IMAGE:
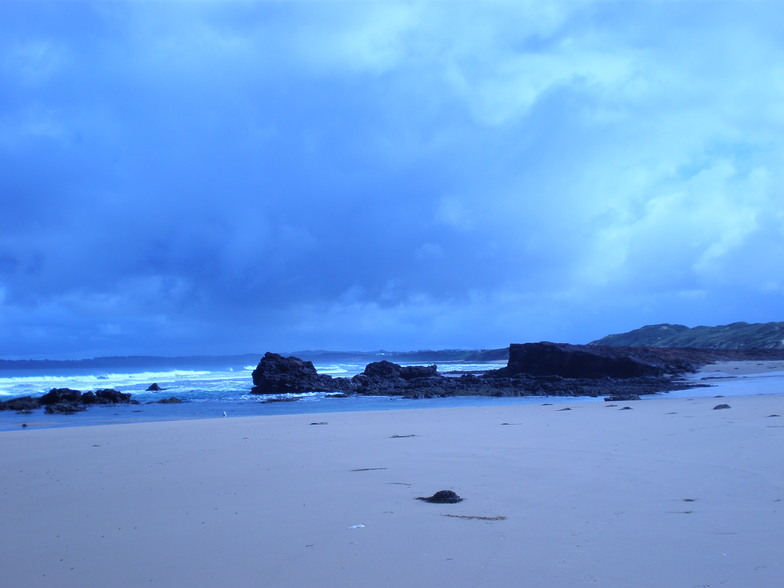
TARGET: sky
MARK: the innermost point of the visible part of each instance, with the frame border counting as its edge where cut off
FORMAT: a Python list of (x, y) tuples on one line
[(222, 177)]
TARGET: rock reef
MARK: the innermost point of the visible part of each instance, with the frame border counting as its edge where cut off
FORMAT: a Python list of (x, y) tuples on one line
[(67, 401), (533, 369)]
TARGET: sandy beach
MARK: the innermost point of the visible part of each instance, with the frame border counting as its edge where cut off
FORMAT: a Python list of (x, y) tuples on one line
[(667, 493)]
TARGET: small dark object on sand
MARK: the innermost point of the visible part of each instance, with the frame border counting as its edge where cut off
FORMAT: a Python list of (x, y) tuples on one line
[(320, 423), (625, 408), (720, 406), (401, 436), (562, 409), (441, 497)]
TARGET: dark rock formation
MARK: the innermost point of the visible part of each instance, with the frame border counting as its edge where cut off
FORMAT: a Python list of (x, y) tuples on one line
[(721, 406), (442, 497), (23, 403), (170, 400), (534, 369), (64, 408), (60, 396), (154, 387), (583, 361), (67, 401), (276, 374), (622, 397), (387, 378)]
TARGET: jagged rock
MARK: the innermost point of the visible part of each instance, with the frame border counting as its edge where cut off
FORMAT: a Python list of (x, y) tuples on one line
[(110, 396), (23, 403), (66, 400), (64, 408), (154, 387), (276, 374), (442, 497), (61, 396)]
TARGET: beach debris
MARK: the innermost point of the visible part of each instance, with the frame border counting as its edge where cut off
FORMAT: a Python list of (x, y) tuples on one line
[(689, 500), (320, 423), (401, 436), (154, 387), (609, 405), (366, 469), (721, 406), (510, 423), (625, 408), (442, 497), (773, 415), (357, 526), (475, 518), (563, 409)]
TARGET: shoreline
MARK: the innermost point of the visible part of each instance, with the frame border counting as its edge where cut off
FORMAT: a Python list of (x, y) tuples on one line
[(590, 495), (722, 377)]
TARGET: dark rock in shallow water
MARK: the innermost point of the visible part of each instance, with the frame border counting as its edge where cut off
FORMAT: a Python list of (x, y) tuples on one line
[(110, 396), (154, 387), (622, 397), (64, 408), (442, 497), (276, 374), (67, 401), (61, 396), (23, 403), (171, 400)]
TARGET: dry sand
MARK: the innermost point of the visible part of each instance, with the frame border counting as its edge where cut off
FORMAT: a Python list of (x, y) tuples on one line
[(671, 493)]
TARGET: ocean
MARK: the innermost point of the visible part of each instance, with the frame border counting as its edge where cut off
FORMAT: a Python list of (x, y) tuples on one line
[(215, 391)]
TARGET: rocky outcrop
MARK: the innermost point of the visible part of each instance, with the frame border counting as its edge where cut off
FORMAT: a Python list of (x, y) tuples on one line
[(387, 378), (67, 401), (566, 371), (23, 403), (276, 374), (583, 361)]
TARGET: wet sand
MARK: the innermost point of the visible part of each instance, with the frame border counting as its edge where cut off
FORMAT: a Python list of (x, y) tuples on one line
[(667, 493)]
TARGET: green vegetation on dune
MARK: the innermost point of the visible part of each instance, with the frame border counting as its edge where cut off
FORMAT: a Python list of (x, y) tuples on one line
[(733, 336)]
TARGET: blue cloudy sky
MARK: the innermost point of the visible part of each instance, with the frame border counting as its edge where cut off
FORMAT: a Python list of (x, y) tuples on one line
[(227, 176)]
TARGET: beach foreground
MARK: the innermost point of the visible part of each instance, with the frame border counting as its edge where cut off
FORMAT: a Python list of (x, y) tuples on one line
[(669, 493)]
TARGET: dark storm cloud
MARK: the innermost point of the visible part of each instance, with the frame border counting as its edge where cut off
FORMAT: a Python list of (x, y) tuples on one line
[(230, 176)]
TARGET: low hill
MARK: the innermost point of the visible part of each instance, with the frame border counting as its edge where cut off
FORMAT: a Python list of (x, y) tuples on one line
[(733, 336)]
